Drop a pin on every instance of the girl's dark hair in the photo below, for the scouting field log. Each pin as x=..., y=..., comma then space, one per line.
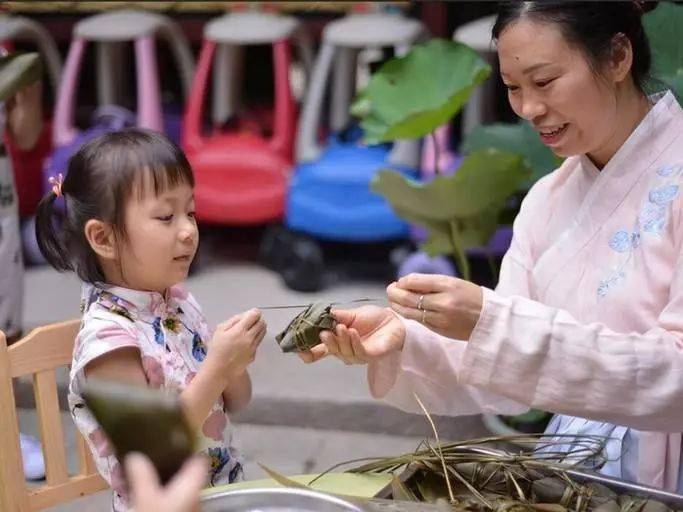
x=100, y=180
x=590, y=26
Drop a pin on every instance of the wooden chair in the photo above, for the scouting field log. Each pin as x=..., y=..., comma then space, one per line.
x=39, y=354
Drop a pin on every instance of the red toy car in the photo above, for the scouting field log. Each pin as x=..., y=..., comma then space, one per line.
x=242, y=170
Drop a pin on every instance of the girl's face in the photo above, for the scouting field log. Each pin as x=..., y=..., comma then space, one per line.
x=162, y=238
x=552, y=85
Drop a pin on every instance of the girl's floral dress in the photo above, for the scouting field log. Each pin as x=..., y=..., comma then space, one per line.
x=170, y=332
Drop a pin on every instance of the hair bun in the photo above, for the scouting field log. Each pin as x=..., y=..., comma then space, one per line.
x=645, y=6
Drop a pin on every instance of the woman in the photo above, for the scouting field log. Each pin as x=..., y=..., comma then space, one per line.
x=587, y=319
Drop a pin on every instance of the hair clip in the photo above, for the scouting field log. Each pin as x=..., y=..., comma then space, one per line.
x=56, y=183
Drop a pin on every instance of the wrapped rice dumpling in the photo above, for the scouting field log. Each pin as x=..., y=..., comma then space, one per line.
x=161, y=431
x=18, y=70
x=303, y=332
x=555, y=489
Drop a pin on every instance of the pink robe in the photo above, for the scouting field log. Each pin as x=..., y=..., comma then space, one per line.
x=587, y=318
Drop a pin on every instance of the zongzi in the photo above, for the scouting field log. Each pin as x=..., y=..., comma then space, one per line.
x=303, y=332
x=161, y=431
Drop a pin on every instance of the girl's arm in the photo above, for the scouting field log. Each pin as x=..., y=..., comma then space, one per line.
x=201, y=394
x=232, y=349
x=125, y=365
x=121, y=365
x=224, y=371
x=237, y=394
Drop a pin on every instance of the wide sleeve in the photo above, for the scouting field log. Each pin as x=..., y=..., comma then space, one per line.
x=543, y=357
x=429, y=364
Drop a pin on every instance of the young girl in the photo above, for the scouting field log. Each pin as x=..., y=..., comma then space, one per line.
x=128, y=231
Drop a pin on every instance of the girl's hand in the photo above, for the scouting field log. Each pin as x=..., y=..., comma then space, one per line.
x=231, y=350
x=362, y=335
x=180, y=495
x=444, y=304
x=234, y=343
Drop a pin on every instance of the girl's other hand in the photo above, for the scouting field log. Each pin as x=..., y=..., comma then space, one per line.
x=234, y=343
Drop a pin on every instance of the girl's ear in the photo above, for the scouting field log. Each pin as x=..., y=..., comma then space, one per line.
x=101, y=238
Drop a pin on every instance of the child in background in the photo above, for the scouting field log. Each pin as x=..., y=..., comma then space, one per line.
x=128, y=231
x=21, y=117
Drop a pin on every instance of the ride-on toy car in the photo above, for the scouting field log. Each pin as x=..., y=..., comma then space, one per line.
x=243, y=161
x=112, y=32
x=329, y=198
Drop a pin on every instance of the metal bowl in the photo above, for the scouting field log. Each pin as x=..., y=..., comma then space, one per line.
x=275, y=500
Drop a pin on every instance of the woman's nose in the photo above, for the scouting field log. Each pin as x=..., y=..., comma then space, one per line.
x=532, y=108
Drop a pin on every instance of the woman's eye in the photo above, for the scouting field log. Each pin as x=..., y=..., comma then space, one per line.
x=511, y=88
x=166, y=218
x=543, y=83
x=191, y=214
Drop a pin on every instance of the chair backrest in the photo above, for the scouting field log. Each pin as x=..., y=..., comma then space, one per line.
x=39, y=354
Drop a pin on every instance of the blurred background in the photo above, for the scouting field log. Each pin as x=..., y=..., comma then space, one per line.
x=291, y=200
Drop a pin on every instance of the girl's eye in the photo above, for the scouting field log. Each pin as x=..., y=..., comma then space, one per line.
x=191, y=214
x=166, y=218
x=511, y=88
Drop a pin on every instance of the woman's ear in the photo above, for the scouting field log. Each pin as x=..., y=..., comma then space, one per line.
x=621, y=59
x=101, y=238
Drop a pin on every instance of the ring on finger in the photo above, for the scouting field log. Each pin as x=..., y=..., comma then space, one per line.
x=424, y=315
x=420, y=305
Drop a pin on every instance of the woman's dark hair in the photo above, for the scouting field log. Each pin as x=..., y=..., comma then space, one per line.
x=100, y=180
x=590, y=26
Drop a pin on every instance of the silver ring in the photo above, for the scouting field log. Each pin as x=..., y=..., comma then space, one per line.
x=420, y=307
x=424, y=314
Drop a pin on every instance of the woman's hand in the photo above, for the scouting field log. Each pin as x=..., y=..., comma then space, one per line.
x=180, y=495
x=444, y=304
x=361, y=336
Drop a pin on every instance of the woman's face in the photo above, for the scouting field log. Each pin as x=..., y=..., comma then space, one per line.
x=552, y=85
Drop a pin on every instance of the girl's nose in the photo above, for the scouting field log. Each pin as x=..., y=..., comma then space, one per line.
x=188, y=232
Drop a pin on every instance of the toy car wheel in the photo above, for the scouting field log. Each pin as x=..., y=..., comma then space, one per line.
x=303, y=264
x=272, y=253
